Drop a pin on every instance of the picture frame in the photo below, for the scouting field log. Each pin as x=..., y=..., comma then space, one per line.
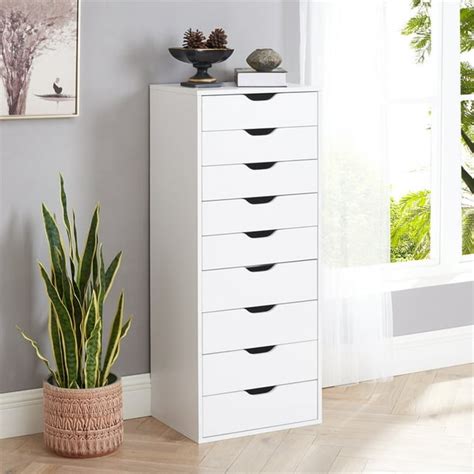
x=51, y=83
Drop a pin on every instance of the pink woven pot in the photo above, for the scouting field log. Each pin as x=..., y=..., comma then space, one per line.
x=83, y=422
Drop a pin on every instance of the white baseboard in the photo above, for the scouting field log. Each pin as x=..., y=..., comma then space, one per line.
x=433, y=350
x=21, y=413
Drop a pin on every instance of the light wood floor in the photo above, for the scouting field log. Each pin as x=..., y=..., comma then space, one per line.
x=414, y=423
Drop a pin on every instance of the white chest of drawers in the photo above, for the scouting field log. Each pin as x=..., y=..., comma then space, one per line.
x=234, y=248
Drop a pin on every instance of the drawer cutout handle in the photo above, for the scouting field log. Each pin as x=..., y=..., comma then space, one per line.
x=260, y=309
x=261, y=268
x=260, y=200
x=260, y=166
x=260, y=350
x=256, y=132
x=258, y=391
x=256, y=97
x=258, y=234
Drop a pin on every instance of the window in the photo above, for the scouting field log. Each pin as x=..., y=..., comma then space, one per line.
x=411, y=96
x=430, y=127
x=467, y=125
x=467, y=177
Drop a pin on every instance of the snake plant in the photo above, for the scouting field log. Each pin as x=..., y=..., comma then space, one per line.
x=77, y=286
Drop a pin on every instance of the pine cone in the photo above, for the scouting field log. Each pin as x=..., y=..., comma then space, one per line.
x=194, y=39
x=217, y=39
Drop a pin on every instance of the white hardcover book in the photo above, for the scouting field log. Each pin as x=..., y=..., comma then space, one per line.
x=246, y=77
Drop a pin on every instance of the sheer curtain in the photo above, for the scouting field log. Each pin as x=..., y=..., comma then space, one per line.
x=342, y=52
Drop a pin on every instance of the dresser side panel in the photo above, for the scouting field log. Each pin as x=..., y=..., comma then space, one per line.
x=175, y=259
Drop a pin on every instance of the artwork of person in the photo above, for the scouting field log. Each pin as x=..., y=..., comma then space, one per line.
x=38, y=37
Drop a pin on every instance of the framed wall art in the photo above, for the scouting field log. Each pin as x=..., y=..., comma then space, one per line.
x=39, y=58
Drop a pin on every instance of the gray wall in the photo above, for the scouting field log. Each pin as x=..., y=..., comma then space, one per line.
x=433, y=308
x=103, y=156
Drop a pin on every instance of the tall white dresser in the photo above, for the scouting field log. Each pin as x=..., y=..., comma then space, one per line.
x=234, y=269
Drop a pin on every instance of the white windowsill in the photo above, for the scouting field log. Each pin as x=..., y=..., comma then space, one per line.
x=405, y=276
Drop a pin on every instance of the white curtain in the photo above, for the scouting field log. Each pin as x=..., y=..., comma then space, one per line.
x=342, y=52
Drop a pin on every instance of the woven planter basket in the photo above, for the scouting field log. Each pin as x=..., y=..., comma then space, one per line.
x=83, y=422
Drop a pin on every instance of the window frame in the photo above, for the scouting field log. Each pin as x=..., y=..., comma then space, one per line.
x=446, y=263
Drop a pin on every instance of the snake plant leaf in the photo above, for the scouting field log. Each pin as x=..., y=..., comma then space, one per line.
x=111, y=272
x=67, y=224
x=74, y=233
x=76, y=290
x=39, y=354
x=101, y=282
x=51, y=228
x=89, y=253
x=55, y=242
x=67, y=293
x=72, y=264
x=123, y=333
x=65, y=324
x=92, y=351
x=77, y=316
x=56, y=344
x=84, y=322
x=59, y=270
x=95, y=265
x=101, y=289
x=92, y=315
x=78, y=313
x=114, y=339
x=72, y=267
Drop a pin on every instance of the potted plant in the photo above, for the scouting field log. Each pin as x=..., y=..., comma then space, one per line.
x=82, y=397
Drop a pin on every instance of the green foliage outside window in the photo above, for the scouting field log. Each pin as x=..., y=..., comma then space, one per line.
x=410, y=219
x=410, y=216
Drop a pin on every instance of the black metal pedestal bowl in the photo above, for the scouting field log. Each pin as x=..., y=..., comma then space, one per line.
x=202, y=60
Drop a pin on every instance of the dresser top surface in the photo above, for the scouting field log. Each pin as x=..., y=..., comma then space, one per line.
x=229, y=88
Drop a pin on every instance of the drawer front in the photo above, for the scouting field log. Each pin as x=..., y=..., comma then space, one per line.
x=259, y=326
x=241, y=411
x=262, y=179
x=257, y=248
x=230, y=112
x=259, y=367
x=255, y=146
x=244, y=287
x=239, y=215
